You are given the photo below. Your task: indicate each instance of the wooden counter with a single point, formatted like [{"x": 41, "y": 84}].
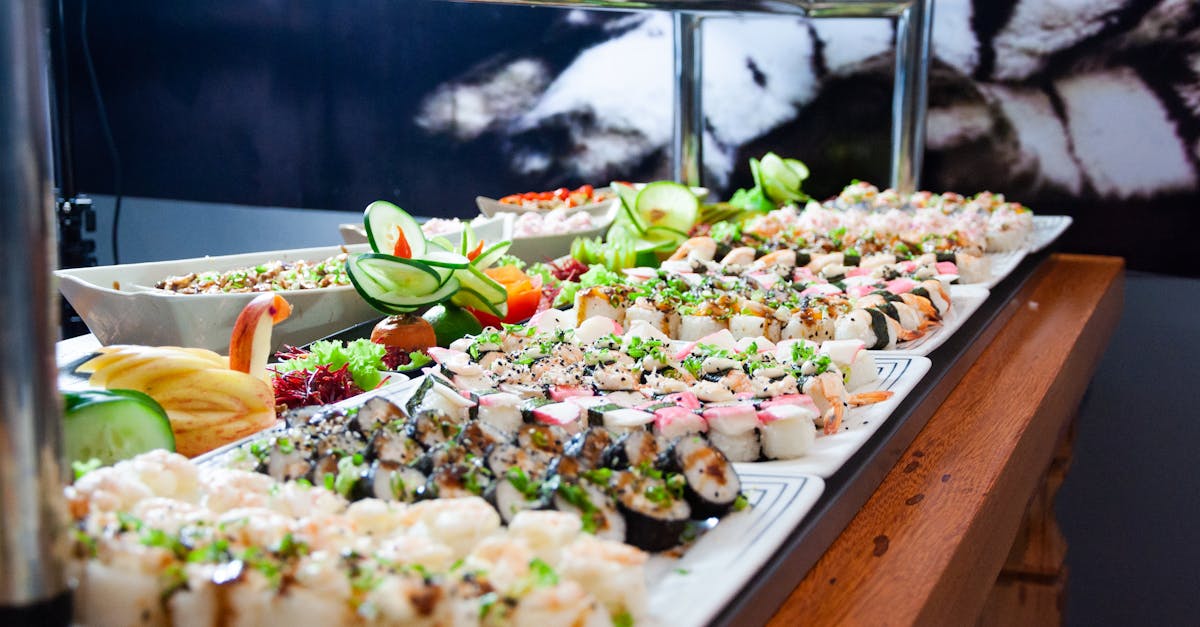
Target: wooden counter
[{"x": 930, "y": 543}]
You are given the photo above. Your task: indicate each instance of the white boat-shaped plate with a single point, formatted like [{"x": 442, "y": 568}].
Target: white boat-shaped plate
[
  {"x": 1046, "y": 229},
  {"x": 898, "y": 374},
  {"x": 492, "y": 207},
  {"x": 1003, "y": 264},
  {"x": 692, "y": 589},
  {"x": 964, "y": 301}
]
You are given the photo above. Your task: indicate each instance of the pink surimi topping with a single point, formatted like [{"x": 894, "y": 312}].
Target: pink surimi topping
[
  {"x": 858, "y": 291},
  {"x": 946, "y": 267},
  {"x": 557, "y": 414},
  {"x": 674, "y": 416},
  {"x": 586, "y": 401},
  {"x": 901, "y": 285},
  {"x": 803, "y": 274},
  {"x": 640, "y": 274},
  {"x": 562, "y": 392},
  {"x": 442, "y": 355},
  {"x": 685, "y": 400},
  {"x": 908, "y": 266},
  {"x": 732, "y": 419},
  {"x": 765, "y": 279},
  {"x": 799, "y": 400},
  {"x": 858, "y": 271}
]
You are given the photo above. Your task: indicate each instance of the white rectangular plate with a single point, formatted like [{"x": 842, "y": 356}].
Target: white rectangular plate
[
  {"x": 1003, "y": 264},
  {"x": 898, "y": 374},
  {"x": 692, "y": 589},
  {"x": 1046, "y": 229},
  {"x": 964, "y": 301}
]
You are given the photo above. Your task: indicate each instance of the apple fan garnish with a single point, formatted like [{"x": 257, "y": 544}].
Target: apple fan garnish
[{"x": 211, "y": 400}]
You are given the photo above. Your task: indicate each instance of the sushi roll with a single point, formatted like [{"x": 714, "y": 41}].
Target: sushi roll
[
  {"x": 635, "y": 449},
  {"x": 540, "y": 439},
  {"x": 694, "y": 327},
  {"x": 656, "y": 514},
  {"x": 597, "y": 511},
  {"x": 743, "y": 325},
  {"x": 374, "y": 414},
  {"x": 391, "y": 444},
  {"x": 431, "y": 428},
  {"x": 504, "y": 456},
  {"x": 285, "y": 460},
  {"x": 675, "y": 421},
  {"x": 501, "y": 410},
  {"x": 516, "y": 492},
  {"x": 478, "y": 438},
  {"x": 733, "y": 430},
  {"x": 712, "y": 485},
  {"x": 871, "y": 326},
  {"x": 642, "y": 311},
  {"x": 598, "y": 302},
  {"x": 588, "y": 447},
  {"x": 389, "y": 481},
  {"x": 787, "y": 431}
]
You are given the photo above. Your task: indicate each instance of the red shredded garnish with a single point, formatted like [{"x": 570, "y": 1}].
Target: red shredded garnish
[
  {"x": 569, "y": 269},
  {"x": 321, "y": 386},
  {"x": 396, "y": 357},
  {"x": 549, "y": 293}
]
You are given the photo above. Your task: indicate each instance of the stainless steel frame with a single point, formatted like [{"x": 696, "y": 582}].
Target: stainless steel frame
[
  {"x": 33, "y": 522},
  {"x": 914, "y": 26}
]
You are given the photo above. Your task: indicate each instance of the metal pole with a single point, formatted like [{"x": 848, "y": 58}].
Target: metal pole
[
  {"x": 687, "y": 159},
  {"x": 910, "y": 94},
  {"x": 33, "y": 525}
]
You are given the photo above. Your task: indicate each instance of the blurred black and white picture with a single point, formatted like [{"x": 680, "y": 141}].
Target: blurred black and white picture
[{"x": 1090, "y": 108}]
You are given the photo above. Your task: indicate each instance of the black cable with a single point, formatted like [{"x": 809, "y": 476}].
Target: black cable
[{"x": 104, "y": 127}]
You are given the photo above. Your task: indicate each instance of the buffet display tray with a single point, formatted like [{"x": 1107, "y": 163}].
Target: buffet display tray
[{"x": 847, "y": 490}]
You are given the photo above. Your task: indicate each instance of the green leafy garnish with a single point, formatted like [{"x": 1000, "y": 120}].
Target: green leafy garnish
[{"x": 362, "y": 358}]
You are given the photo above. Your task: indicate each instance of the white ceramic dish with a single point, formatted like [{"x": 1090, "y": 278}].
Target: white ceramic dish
[
  {"x": 548, "y": 247},
  {"x": 1003, "y": 264},
  {"x": 490, "y": 229},
  {"x": 493, "y": 207},
  {"x": 1046, "y": 229},
  {"x": 120, "y": 305},
  {"x": 964, "y": 301},
  {"x": 693, "y": 588},
  {"x": 898, "y": 374}
]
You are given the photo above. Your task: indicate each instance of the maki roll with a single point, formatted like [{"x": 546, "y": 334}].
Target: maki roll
[
  {"x": 711, "y": 483},
  {"x": 590, "y": 500},
  {"x": 733, "y": 430},
  {"x": 588, "y": 447},
  {"x": 391, "y": 444},
  {"x": 501, "y": 410},
  {"x": 375, "y": 414},
  {"x": 431, "y": 428},
  {"x": 787, "y": 431},
  {"x": 656, "y": 514},
  {"x": 634, "y": 449},
  {"x": 389, "y": 481}
]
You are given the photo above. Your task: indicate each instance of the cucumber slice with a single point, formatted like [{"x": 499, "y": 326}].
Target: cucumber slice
[
  {"x": 491, "y": 255},
  {"x": 394, "y": 274},
  {"x": 660, "y": 238},
  {"x": 483, "y": 285},
  {"x": 667, "y": 204},
  {"x": 383, "y": 221},
  {"x": 439, "y": 242},
  {"x": 407, "y": 301},
  {"x": 444, "y": 259},
  {"x": 114, "y": 425},
  {"x": 627, "y": 194},
  {"x": 774, "y": 167},
  {"x": 469, "y": 298},
  {"x": 798, "y": 167}
]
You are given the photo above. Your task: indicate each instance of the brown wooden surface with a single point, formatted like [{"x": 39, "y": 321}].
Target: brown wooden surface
[{"x": 928, "y": 545}]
